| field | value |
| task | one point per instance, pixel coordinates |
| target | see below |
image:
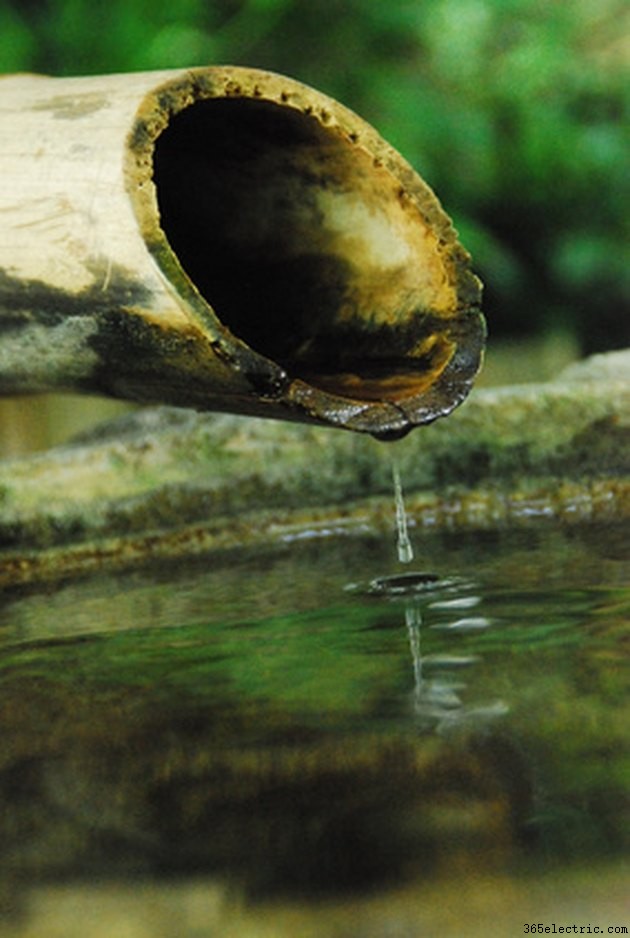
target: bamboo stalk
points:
(226, 239)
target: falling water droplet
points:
(405, 549)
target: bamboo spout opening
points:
(227, 239)
(305, 245)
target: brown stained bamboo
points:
(226, 239)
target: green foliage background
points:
(513, 110)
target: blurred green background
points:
(514, 111)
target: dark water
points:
(323, 724)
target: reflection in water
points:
(413, 621)
(178, 725)
(437, 703)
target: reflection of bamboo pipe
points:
(226, 239)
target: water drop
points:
(404, 546)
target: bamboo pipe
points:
(226, 239)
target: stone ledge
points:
(166, 482)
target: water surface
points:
(321, 723)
